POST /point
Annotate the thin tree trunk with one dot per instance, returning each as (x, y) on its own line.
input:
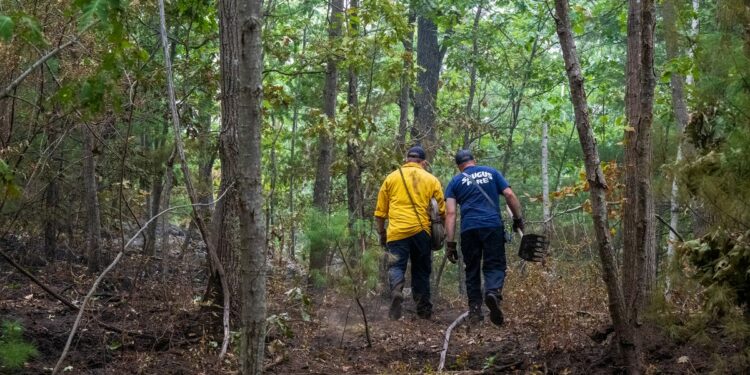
(322, 187)
(405, 95)
(93, 221)
(198, 213)
(252, 241)
(154, 201)
(52, 212)
(679, 107)
(598, 186)
(546, 204)
(472, 76)
(163, 222)
(353, 151)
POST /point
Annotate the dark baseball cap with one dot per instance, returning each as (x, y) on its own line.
(416, 152)
(462, 156)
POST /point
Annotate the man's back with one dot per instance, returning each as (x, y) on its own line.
(394, 202)
(476, 210)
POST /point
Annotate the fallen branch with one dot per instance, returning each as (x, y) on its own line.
(448, 338)
(82, 308)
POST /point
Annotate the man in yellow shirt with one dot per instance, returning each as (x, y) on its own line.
(404, 200)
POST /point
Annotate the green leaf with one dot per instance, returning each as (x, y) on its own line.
(94, 10)
(32, 30)
(6, 27)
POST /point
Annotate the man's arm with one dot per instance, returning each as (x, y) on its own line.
(512, 200)
(380, 224)
(450, 219)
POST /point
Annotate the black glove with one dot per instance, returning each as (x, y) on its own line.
(383, 238)
(518, 224)
(450, 251)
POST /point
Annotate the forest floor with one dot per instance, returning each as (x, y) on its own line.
(554, 325)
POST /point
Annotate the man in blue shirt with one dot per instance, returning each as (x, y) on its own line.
(476, 189)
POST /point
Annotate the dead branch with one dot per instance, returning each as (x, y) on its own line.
(448, 338)
(41, 61)
(356, 296)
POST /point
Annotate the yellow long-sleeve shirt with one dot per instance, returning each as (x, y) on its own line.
(394, 204)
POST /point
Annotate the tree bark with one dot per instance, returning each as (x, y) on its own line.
(91, 201)
(405, 95)
(353, 152)
(322, 186)
(472, 76)
(224, 221)
(429, 59)
(639, 235)
(679, 108)
(546, 204)
(252, 239)
(598, 186)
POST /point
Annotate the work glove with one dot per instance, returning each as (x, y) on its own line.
(450, 251)
(518, 224)
(383, 238)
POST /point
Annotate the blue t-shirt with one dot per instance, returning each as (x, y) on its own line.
(476, 211)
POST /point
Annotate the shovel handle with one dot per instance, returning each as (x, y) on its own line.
(510, 215)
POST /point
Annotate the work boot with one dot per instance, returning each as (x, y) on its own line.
(493, 303)
(397, 297)
(475, 315)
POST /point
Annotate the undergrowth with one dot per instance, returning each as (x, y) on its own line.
(14, 351)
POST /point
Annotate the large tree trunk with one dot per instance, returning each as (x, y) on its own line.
(154, 201)
(91, 201)
(679, 108)
(322, 186)
(252, 241)
(598, 186)
(225, 222)
(429, 59)
(638, 229)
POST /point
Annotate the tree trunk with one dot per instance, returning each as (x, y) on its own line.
(163, 221)
(429, 59)
(52, 211)
(154, 201)
(353, 151)
(546, 204)
(252, 241)
(598, 185)
(639, 235)
(199, 211)
(472, 76)
(91, 201)
(225, 221)
(405, 95)
(322, 186)
(679, 107)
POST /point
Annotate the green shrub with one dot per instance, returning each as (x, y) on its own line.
(14, 351)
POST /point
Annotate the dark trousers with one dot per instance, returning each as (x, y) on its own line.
(484, 248)
(418, 249)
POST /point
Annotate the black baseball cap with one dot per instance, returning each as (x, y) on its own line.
(416, 152)
(462, 156)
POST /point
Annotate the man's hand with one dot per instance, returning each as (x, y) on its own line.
(383, 238)
(450, 251)
(518, 224)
